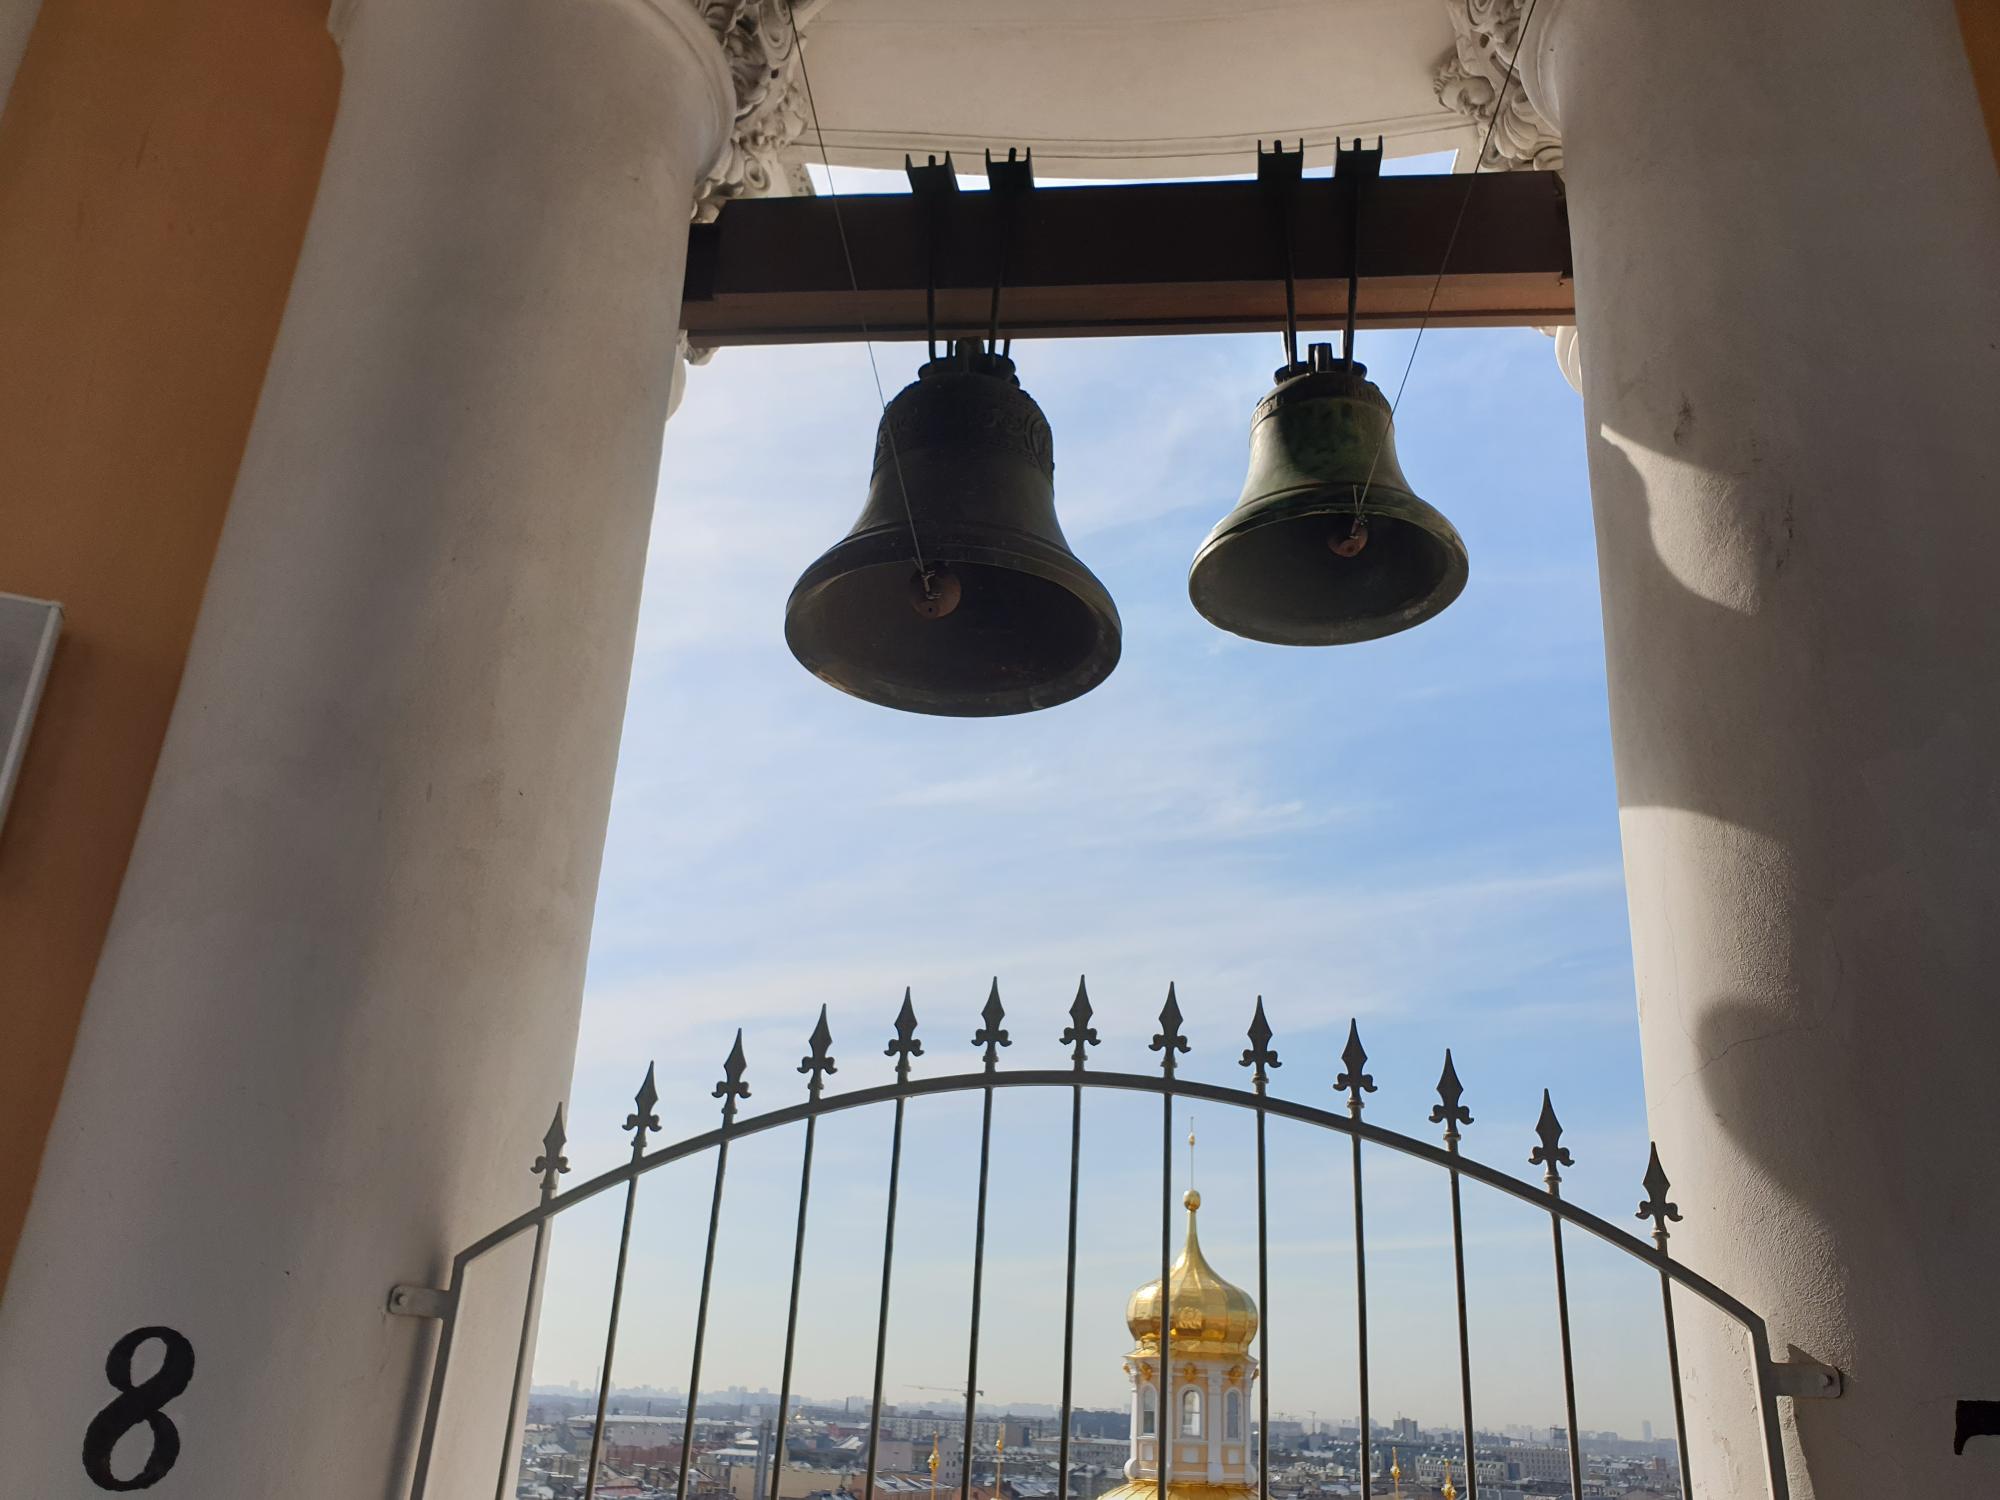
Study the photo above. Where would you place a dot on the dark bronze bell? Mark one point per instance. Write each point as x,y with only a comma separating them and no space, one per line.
1000,618
1327,545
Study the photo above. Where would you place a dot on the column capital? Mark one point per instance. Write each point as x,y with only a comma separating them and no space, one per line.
760,40
1489,44
702,24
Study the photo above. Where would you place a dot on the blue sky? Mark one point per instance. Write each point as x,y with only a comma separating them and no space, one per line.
1420,832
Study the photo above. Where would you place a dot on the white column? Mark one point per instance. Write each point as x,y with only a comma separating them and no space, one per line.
1787,225
338,1000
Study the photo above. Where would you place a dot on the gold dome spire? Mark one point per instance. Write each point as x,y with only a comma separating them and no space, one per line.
1210,1315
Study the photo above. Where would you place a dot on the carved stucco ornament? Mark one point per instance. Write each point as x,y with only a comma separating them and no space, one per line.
1473,75
1471,81
760,41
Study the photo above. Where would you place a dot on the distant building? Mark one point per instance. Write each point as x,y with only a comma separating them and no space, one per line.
1538,1462
1202,1427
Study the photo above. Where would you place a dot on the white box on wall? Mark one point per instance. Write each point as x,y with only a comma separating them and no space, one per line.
28,631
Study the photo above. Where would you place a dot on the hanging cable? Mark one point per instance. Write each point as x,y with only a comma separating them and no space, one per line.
926,574
1356,168
1451,242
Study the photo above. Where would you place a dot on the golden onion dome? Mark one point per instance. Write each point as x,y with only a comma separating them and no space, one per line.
1210,1315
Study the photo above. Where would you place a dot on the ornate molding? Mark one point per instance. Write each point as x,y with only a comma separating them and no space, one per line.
761,47
1472,75
1490,47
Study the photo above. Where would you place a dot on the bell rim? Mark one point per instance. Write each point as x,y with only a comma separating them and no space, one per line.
1391,504
888,546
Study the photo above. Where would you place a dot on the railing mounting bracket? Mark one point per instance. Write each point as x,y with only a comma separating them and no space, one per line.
419,1301
1805,1380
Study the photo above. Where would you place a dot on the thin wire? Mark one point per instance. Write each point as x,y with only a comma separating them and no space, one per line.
833,197
1499,102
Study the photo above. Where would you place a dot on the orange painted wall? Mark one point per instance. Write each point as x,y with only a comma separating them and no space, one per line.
158,160
1979,20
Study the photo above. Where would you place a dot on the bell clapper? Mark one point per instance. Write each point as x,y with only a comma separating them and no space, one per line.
934,592
1350,544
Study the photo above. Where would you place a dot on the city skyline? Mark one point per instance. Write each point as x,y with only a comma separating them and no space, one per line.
953,1416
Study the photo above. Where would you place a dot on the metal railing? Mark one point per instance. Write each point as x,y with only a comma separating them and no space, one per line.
1260,1058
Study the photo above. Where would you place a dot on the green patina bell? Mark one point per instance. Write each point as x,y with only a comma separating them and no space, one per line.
1001,618
1327,545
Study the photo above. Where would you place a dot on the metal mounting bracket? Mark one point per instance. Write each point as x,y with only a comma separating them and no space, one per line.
419,1302
1805,1380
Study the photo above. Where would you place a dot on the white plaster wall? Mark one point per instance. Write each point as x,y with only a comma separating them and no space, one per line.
338,998
1126,88
1787,227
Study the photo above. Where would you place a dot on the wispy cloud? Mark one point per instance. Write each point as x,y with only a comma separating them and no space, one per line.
1420,832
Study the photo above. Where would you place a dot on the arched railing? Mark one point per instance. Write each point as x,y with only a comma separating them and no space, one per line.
1772,1379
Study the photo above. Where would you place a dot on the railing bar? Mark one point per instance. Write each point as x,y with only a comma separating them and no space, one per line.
882,1312
1767,1405
1164,1409
1366,1464
1465,1338
1069,1295
530,1314
701,1312
1674,1373
434,1401
1491,1177
792,1308
978,1282
1264,1324
610,1341
1569,1364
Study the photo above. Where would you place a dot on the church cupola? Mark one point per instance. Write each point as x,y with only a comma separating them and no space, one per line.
1204,1419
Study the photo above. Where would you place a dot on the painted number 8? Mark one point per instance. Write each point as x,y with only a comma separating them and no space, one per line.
136,1404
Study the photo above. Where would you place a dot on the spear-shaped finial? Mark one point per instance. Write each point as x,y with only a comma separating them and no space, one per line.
1551,1153
1448,1112
732,1087
1354,1080
904,1045
1655,1205
992,1036
552,1163
1168,1039
1079,1034
642,1119
1259,1056
818,1062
